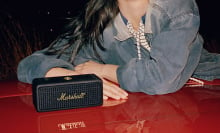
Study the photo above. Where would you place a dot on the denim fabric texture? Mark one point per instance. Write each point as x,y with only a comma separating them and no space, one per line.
171,29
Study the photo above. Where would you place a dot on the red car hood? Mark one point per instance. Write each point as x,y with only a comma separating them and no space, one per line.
193,109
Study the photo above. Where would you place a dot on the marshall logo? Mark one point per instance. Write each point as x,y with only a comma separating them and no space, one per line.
72,125
67,92
65,97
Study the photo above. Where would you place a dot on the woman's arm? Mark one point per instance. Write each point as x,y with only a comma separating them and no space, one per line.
41,65
174,55
57,71
107,71
38,64
108,74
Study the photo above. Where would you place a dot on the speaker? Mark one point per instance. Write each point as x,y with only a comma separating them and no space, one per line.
67,92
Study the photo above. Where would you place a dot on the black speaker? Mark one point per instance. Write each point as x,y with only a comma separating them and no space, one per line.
67,92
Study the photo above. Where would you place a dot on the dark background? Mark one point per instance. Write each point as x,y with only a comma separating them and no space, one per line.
50,15
44,16
30,25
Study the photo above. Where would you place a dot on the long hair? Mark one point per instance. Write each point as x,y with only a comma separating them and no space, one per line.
87,28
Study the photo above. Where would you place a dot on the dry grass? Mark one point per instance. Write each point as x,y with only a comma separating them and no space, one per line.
212,46
16,42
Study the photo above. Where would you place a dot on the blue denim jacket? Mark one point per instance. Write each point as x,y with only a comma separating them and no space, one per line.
171,29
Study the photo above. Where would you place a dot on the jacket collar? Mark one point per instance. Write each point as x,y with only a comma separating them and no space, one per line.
121,31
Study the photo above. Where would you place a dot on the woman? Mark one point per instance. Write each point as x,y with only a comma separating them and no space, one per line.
150,46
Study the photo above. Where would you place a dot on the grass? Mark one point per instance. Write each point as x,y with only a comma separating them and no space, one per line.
16,42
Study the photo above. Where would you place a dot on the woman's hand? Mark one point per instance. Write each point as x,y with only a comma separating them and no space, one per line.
91,67
110,89
104,71
55,72
113,91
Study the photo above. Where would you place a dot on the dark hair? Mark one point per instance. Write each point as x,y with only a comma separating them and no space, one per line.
87,28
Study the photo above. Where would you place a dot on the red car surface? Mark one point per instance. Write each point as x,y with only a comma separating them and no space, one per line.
193,109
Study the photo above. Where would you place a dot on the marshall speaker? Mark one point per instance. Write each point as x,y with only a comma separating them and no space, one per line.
66,92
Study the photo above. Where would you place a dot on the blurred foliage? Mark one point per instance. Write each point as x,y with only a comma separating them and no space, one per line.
16,42
212,45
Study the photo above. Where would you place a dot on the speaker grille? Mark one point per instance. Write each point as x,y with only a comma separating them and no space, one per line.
66,96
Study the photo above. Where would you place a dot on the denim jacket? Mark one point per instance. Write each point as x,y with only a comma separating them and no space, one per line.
171,29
